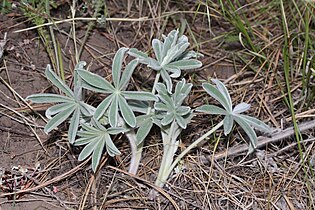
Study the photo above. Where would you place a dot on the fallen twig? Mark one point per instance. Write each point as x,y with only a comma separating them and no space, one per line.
263,141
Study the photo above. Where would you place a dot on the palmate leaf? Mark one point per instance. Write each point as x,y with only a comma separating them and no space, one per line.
145,124
58,82
117,64
249,132
170,106
49,98
102,107
66,107
219,96
126,75
171,57
113,111
247,123
138,95
74,125
242,107
77,88
158,47
96,138
95,82
57,108
126,112
228,124
225,93
182,90
211,109
116,102
259,125
59,118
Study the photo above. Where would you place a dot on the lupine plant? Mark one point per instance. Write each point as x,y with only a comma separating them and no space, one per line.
70,104
134,113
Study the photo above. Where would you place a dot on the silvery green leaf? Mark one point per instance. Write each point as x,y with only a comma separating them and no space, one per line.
74,125
117,63
126,112
215,93
182,39
167,119
223,90
97,154
185,64
144,128
183,110
161,107
183,88
211,109
145,59
248,130
80,65
116,130
86,109
242,107
167,100
258,124
82,141
78,94
84,134
77,89
57,108
58,82
113,112
169,41
170,56
139,106
153,64
87,86
88,149
87,129
158,49
95,82
157,120
110,146
126,75
228,124
161,88
179,87
175,52
102,107
141,56
59,118
49,98
175,72
181,122
189,55
167,79
96,138
139,95
181,92
179,99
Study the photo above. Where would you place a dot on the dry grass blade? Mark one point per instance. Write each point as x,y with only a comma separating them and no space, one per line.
49,182
158,189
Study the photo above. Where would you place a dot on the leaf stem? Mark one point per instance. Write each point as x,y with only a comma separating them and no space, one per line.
190,147
169,148
136,150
